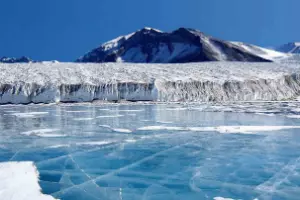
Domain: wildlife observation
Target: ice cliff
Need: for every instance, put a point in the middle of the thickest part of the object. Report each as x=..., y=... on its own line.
x=48, y=82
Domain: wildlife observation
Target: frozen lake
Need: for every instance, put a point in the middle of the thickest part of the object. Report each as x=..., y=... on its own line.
x=157, y=152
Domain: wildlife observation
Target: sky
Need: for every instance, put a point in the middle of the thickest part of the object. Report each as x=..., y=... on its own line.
x=66, y=29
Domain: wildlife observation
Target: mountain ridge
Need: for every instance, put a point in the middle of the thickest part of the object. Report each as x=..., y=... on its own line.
x=291, y=47
x=22, y=59
x=183, y=45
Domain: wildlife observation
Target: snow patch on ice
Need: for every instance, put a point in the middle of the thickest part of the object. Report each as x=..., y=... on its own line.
x=165, y=122
x=29, y=114
x=121, y=130
x=105, y=126
x=109, y=116
x=221, y=129
x=171, y=109
x=58, y=146
x=266, y=114
x=43, y=133
x=156, y=128
x=130, y=110
x=130, y=140
x=222, y=198
x=20, y=181
x=83, y=119
x=293, y=116
x=243, y=129
x=78, y=111
x=94, y=143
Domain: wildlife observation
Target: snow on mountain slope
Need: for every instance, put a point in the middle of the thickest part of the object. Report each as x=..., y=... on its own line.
x=180, y=46
x=206, y=81
x=293, y=47
x=15, y=60
x=265, y=53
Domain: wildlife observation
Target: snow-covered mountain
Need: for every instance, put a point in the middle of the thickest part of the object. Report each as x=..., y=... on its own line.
x=180, y=46
x=292, y=47
x=22, y=59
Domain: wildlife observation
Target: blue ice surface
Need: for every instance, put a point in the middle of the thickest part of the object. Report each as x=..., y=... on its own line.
x=94, y=160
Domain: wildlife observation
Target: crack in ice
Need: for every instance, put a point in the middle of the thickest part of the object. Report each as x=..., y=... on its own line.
x=122, y=168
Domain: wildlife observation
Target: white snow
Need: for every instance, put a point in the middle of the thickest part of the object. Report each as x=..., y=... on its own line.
x=19, y=181
x=109, y=116
x=94, y=143
x=293, y=116
x=222, y=198
x=43, y=133
x=221, y=56
x=291, y=48
x=265, y=53
x=83, y=119
x=212, y=81
x=156, y=128
x=121, y=130
x=130, y=110
x=29, y=114
x=149, y=28
x=114, y=44
x=78, y=111
x=243, y=129
x=58, y=146
x=164, y=122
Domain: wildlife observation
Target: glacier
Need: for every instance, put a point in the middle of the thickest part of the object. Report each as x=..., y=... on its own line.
x=49, y=82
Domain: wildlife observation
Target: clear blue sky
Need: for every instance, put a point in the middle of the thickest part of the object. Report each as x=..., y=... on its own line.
x=66, y=29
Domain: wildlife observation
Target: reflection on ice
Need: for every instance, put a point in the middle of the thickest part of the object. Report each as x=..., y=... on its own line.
x=171, y=151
